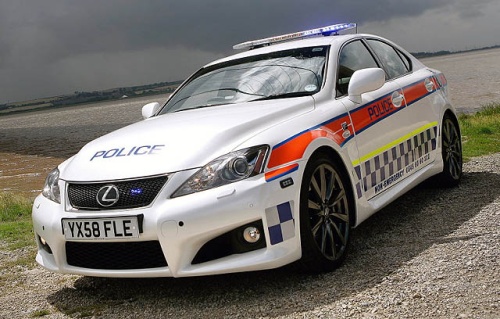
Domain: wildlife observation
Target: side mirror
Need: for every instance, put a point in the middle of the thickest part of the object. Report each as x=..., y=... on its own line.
x=363, y=81
x=150, y=109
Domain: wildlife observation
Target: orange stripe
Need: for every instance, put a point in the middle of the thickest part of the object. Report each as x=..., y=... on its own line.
x=415, y=92
x=280, y=171
x=294, y=149
x=363, y=117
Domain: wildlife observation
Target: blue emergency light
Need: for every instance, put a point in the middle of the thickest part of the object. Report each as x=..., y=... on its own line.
x=328, y=30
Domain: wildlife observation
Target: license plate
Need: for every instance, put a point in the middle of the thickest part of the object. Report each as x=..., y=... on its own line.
x=102, y=228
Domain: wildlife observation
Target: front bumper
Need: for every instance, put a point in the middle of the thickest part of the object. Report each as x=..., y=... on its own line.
x=183, y=226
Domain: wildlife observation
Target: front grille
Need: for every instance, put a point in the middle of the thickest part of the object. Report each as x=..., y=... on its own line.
x=115, y=256
x=132, y=193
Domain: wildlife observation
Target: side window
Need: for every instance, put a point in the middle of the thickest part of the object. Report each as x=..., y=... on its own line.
x=390, y=58
x=353, y=56
x=406, y=60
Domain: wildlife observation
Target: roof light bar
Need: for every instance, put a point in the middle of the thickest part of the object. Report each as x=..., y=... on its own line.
x=328, y=30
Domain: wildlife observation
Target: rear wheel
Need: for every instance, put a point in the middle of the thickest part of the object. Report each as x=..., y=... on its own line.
x=325, y=213
x=451, y=152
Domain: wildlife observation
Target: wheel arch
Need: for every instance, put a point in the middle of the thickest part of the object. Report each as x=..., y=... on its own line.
x=453, y=116
x=447, y=111
x=332, y=153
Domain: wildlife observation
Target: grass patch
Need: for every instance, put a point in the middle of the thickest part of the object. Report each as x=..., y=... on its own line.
x=16, y=233
x=14, y=207
x=16, y=228
x=481, y=131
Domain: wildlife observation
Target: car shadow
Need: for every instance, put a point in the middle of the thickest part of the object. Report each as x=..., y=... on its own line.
x=424, y=217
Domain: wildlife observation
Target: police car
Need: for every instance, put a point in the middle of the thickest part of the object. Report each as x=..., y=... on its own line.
x=261, y=159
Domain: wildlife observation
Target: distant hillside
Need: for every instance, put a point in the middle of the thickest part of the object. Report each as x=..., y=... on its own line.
x=420, y=55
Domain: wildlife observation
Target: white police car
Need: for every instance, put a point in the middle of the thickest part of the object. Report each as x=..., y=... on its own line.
x=258, y=160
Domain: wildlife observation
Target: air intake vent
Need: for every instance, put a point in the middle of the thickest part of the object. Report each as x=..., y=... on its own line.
x=115, y=256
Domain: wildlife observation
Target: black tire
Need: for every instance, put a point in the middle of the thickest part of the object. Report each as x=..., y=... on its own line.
x=326, y=206
x=451, y=150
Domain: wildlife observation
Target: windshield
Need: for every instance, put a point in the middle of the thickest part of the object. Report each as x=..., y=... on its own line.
x=282, y=74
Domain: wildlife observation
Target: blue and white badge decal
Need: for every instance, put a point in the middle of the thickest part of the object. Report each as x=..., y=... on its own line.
x=280, y=223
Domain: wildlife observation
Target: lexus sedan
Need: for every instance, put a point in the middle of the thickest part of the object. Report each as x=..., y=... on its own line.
x=264, y=158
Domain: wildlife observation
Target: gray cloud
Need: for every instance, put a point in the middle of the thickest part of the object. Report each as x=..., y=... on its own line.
x=53, y=47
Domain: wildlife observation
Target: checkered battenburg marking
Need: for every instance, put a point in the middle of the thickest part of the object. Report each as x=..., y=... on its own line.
x=280, y=223
x=387, y=164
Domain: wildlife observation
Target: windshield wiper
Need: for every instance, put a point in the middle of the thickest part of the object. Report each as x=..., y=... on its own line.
x=284, y=95
x=201, y=107
x=195, y=107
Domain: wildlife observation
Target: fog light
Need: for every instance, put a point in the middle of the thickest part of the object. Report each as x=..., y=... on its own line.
x=251, y=234
x=44, y=245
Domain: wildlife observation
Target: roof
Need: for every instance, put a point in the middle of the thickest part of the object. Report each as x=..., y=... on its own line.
x=300, y=43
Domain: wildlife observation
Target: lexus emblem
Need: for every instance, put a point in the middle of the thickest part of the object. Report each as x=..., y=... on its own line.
x=108, y=195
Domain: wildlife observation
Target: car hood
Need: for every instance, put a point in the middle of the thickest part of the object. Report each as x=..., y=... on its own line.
x=178, y=141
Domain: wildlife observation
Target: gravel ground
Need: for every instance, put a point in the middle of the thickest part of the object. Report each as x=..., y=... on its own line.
x=434, y=253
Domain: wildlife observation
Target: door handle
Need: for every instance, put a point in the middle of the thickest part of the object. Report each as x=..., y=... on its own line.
x=397, y=98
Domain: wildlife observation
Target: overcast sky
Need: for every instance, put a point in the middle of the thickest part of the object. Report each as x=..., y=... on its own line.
x=53, y=47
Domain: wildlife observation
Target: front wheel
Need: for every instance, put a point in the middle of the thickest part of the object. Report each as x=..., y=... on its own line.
x=325, y=215
x=451, y=152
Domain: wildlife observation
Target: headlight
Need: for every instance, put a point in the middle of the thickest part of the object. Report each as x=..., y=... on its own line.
x=51, y=187
x=226, y=169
